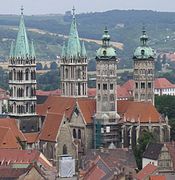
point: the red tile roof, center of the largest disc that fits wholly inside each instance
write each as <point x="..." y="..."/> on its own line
<point x="129" y="85"/>
<point x="11" y="123"/>
<point x="58" y="105"/>
<point x="56" y="92"/>
<point x="95" y="173"/>
<point x="144" y="112"/>
<point x="8" y="139"/>
<point x="122" y="92"/>
<point x="51" y="127"/>
<point x="159" y="83"/>
<point x="31" y="137"/>
<point x="163" y="83"/>
<point x="157" y="177"/>
<point x="88" y="108"/>
<point x="148" y="170"/>
<point x="15" y="156"/>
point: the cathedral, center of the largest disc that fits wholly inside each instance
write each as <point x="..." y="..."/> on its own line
<point x="73" y="123"/>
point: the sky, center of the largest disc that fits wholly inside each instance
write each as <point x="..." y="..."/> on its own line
<point x="32" y="7"/>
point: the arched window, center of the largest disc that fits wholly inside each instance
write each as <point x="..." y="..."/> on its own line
<point x="79" y="74"/>
<point x="64" y="149"/>
<point x="74" y="133"/>
<point x="79" y="134"/>
<point x="66" y="73"/>
<point x="27" y="74"/>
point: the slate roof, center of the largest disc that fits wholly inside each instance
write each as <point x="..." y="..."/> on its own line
<point x="120" y="157"/>
<point x="148" y="170"/>
<point x="152" y="151"/>
<point x="41" y="99"/>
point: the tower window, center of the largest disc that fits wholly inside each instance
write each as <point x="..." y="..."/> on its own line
<point x="99" y="86"/>
<point x="111" y="87"/>
<point x="136" y="85"/>
<point x="104" y="86"/>
<point x="79" y="134"/>
<point x="142" y="85"/>
<point x="149" y="85"/>
<point x="64" y="149"/>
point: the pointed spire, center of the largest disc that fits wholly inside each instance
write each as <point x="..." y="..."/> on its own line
<point x="83" y="50"/>
<point x="73" y="47"/>
<point x="63" y="53"/>
<point x="32" y="49"/>
<point x="11" y="50"/>
<point x="22" y="45"/>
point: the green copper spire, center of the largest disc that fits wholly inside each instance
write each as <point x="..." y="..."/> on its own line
<point x="83" y="50"/>
<point x="144" y="51"/>
<point x="106" y="50"/>
<point x="73" y="47"/>
<point x="12" y="50"/>
<point x="32" y="50"/>
<point x="63" y="52"/>
<point x="22" y="45"/>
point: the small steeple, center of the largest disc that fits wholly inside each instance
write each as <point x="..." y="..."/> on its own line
<point x="22" y="45"/>
<point x="32" y="49"/>
<point x="11" y="50"/>
<point x="83" y="50"/>
<point x="144" y="37"/>
<point x="105" y="37"/>
<point x="73" y="47"/>
<point x="63" y="52"/>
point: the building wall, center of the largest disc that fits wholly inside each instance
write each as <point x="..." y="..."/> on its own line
<point x="146" y="161"/>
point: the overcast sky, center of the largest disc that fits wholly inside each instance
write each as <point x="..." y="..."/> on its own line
<point x="60" y="6"/>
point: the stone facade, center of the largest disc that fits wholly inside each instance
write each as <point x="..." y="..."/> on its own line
<point x="144" y="67"/>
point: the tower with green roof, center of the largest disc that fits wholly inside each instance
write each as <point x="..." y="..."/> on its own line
<point x="144" y="67"/>
<point x="106" y="84"/>
<point x="22" y="79"/>
<point x="73" y="65"/>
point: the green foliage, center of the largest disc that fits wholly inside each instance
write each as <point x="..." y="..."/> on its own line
<point x="145" y="138"/>
<point x="53" y="66"/>
<point x="39" y="66"/>
<point x="48" y="81"/>
<point x="166" y="105"/>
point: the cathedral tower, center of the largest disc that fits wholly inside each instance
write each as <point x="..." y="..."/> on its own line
<point x="144" y="67"/>
<point x="73" y="66"/>
<point x="22" y="77"/>
<point x="106" y="83"/>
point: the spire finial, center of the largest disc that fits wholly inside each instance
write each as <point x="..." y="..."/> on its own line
<point x="73" y="11"/>
<point x="22" y="10"/>
<point x="143" y="29"/>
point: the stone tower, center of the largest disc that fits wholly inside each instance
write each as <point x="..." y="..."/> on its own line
<point x="106" y="82"/>
<point x="144" y="67"/>
<point x="73" y="66"/>
<point x="22" y="79"/>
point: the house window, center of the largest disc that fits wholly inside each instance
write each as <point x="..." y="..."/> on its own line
<point x="64" y="149"/>
<point x="74" y="133"/>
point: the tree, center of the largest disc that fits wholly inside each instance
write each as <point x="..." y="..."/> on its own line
<point x="39" y="66"/>
<point x="145" y="138"/>
<point x="53" y="66"/>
